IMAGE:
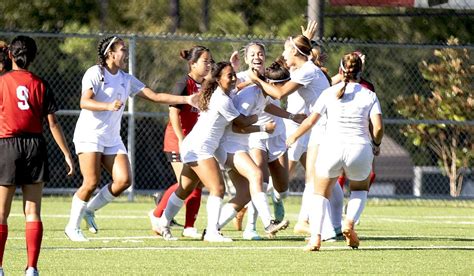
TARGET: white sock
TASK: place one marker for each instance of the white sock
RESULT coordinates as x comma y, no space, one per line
227,214
337,205
356,205
259,200
328,228
78,207
213,211
252,216
102,198
307,195
318,209
172,208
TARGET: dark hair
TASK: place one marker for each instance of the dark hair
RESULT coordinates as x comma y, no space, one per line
351,66
192,55
277,72
302,44
260,44
5,61
318,59
210,85
23,50
104,46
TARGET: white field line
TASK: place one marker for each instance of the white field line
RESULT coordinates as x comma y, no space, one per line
247,248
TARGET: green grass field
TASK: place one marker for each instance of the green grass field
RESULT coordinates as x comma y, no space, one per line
396,238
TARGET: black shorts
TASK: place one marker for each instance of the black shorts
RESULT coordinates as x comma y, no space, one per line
173,156
24,160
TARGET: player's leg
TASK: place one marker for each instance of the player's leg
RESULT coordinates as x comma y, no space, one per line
32,194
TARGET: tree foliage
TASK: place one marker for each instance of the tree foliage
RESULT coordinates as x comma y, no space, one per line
451,98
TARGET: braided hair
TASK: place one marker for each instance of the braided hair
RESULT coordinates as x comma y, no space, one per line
351,67
105,45
211,84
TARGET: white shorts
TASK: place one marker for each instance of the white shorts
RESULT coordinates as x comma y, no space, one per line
300,146
82,147
227,147
192,154
276,147
355,159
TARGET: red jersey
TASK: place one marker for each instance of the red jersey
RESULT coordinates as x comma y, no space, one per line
24,102
188,115
367,84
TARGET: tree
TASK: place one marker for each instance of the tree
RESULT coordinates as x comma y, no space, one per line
450,99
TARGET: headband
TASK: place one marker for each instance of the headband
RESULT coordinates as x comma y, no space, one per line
277,81
296,47
110,44
342,67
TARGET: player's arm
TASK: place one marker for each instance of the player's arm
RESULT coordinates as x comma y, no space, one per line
88,102
276,92
280,112
376,132
58,137
176,123
166,98
306,125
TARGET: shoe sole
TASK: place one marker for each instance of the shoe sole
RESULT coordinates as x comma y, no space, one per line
352,239
281,227
86,240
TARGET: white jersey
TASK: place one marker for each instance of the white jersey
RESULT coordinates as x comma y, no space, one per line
205,136
103,127
348,118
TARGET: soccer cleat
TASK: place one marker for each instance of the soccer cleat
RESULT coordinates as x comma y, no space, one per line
239,219
276,226
313,245
279,210
155,225
75,234
89,217
251,235
165,233
302,227
352,239
191,232
31,271
216,237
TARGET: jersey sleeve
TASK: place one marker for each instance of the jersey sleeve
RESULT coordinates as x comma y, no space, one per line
375,109
49,103
302,76
321,102
244,102
92,79
228,110
135,85
179,89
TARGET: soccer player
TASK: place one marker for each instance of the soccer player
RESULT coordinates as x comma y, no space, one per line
105,88
348,145
25,102
182,119
5,62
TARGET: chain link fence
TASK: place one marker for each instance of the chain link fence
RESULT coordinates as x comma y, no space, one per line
402,169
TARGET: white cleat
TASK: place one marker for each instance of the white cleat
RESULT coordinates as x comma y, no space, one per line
155,224
89,217
31,271
216,237
191,232
251,235
75,234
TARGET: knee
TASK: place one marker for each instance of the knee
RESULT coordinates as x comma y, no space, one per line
123,181
89,184
218,190
256,176
32,213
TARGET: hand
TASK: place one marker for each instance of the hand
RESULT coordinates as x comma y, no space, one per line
375,150
299,118
235,60
290,141
115,105
270,127
254,76
193,100
310,30
70,166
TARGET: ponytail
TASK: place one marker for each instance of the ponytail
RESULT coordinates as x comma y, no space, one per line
351,67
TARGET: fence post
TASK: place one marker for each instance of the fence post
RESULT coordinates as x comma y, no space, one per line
131,117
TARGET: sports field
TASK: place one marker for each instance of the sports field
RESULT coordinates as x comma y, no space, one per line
396,238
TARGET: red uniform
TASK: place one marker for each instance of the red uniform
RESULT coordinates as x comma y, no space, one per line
188,115
24,102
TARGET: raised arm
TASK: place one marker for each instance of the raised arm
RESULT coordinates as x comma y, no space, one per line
88,102
58,137
376,132
306,125
166,98
310,30
276,92
280,112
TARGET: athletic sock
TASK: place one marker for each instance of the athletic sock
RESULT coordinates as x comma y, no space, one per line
227,214
102,198
3,241
259,200
337,205
34,236
193,203
78,207
213,211
318,208
252,216
307,195
172,208
160,207
356,205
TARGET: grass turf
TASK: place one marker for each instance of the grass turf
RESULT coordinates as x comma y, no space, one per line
395,239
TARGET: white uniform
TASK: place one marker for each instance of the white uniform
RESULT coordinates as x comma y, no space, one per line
274,143
313,82
203,140
347,143
100,130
